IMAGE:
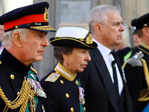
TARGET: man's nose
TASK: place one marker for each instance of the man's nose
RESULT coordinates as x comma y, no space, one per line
45,42
121,27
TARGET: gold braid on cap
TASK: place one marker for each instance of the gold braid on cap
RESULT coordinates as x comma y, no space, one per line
26,95
88,39
144,94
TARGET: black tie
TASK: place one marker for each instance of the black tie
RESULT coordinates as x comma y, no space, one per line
115,74
114,71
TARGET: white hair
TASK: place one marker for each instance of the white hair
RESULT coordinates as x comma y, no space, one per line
7,41
98,14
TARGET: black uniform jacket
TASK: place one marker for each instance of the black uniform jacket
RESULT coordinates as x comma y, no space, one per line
62,93
100,93
136,78
12,74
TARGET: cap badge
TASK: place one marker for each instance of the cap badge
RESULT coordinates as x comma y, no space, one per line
88,39
46,14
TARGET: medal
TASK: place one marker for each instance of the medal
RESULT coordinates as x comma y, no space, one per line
37,88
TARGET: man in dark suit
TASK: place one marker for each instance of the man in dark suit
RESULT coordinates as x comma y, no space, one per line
24,43
105,87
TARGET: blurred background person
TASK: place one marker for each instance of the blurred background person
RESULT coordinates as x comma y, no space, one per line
136,38
136,66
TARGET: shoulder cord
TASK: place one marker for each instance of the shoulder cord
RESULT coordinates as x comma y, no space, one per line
144,96
26,94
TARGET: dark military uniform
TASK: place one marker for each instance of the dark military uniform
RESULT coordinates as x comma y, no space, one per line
137,65
63,88
136,78
20,90
64,92
13,73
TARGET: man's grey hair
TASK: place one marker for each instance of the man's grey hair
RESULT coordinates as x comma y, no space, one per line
7,41
97,14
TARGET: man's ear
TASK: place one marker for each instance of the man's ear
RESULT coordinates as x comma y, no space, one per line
97,27
16,39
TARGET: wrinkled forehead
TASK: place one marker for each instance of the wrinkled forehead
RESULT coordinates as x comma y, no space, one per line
113,16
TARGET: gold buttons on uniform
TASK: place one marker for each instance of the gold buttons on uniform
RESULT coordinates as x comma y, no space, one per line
76,82
71,109
67,95
61,81
12,76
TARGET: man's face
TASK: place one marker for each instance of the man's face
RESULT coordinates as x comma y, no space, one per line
34,46
77,61
136,39
112,30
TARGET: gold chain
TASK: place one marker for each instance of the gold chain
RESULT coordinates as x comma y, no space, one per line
26,94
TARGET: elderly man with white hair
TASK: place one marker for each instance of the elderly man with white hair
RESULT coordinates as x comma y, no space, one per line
105,84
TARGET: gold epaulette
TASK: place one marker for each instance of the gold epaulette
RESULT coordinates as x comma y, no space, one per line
52,77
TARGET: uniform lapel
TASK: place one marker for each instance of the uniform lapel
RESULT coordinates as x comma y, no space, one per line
105,76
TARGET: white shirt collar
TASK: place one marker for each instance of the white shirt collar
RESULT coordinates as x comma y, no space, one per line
108,58
103,49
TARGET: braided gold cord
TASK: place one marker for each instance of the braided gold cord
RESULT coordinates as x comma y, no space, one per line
23,106
17,102
32,102
124,64
144,96
22,99
5,109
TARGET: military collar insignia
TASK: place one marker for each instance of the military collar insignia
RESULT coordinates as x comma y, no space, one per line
52,77
60,69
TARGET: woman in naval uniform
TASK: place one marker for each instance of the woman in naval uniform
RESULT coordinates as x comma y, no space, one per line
63,87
